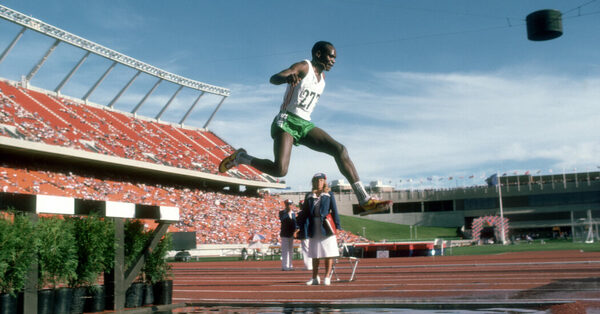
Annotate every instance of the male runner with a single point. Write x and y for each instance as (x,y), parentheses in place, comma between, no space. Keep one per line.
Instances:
(292,126)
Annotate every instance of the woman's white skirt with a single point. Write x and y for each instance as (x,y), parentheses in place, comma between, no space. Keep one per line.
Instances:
(320,245)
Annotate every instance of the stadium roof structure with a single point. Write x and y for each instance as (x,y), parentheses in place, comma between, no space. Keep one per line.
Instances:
(88,157)
(62,36)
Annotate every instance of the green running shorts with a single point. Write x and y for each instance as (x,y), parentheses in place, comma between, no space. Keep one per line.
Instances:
(297,127)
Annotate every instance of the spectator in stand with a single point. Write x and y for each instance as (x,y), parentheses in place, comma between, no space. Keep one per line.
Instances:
(321,246)
(287,217)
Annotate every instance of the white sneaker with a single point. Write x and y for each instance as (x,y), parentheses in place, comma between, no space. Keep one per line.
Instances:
(327,281)
(313,282)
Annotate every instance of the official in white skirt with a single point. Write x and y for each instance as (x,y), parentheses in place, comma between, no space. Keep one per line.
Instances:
(322,243)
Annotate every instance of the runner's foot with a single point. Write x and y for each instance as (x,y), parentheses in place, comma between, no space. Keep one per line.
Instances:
(230,161)
(374,206)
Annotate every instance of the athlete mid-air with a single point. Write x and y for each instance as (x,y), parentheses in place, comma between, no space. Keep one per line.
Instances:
(292,126)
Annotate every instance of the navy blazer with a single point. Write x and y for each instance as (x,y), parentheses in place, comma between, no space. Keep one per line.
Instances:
(326,206)
(288,225)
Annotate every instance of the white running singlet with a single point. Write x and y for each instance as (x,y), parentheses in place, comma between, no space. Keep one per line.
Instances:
(301,99)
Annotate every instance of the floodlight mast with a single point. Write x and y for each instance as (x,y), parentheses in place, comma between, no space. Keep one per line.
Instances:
(63,36)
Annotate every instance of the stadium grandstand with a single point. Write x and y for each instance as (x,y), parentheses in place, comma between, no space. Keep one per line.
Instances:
(55,144)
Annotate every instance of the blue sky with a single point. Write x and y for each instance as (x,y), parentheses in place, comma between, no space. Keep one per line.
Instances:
(421,89)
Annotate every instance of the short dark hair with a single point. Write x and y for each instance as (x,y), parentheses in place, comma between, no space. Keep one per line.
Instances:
(320,46)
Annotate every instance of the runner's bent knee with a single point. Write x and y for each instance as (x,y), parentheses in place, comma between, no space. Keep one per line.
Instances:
(280,168)
(281,171)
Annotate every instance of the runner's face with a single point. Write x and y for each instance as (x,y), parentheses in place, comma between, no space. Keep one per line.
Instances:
(327,58)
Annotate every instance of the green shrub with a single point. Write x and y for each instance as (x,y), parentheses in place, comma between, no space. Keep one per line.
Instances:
(94,238)
(57,254)
(135,241)
(18,244)
(157,268)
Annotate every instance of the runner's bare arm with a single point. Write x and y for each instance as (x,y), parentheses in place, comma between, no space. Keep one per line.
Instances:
(292,75)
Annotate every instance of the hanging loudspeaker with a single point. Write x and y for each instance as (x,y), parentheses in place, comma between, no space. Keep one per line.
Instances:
(544,25)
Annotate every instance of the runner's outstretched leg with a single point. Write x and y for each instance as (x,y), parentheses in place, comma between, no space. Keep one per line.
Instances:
(282,149)
(318,140)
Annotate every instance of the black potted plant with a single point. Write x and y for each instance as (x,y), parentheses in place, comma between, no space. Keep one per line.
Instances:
(157,271)
(135,241)
(18,244)
(94,238)
(57,262)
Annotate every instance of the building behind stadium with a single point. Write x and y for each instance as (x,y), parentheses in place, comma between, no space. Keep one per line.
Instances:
(547,205)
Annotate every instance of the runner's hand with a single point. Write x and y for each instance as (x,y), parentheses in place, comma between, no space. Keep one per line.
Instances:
(293,79)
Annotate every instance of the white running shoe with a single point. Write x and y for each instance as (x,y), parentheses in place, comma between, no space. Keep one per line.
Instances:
(313,282)
(326,281)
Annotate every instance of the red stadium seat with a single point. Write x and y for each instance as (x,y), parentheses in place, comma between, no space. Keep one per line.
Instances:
(63,122)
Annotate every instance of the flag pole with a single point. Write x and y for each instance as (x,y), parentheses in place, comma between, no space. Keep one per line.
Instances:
(501,210)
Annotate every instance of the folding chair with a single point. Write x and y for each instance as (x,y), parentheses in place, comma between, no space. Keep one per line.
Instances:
(345,254)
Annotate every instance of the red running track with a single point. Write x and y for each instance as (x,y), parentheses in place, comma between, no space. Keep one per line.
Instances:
(514,278)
